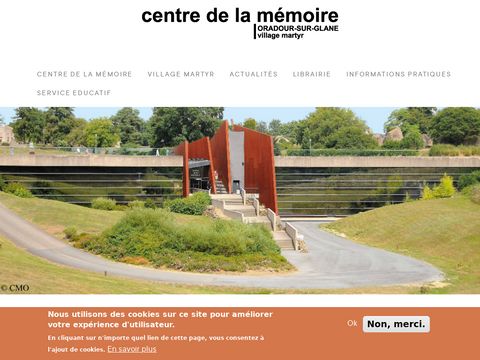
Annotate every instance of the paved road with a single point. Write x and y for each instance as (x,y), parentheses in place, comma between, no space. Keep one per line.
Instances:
(332,262)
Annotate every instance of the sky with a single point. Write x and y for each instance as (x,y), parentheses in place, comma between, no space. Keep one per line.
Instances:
(374,117)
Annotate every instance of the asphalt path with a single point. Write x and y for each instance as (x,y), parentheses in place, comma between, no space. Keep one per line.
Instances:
(331,262)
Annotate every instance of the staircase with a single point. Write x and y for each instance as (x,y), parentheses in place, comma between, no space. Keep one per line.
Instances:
(220,187)
(233,207)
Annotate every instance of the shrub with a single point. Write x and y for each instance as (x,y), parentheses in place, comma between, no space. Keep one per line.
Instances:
(17,190)
(427,193)
(444,150)
(211,245)
(475,194)
(451,150)
(445,189)
(467,180)
(150,204)
(392,145)
(83,240)
(136,204)
(195,204)
(70,232)
(104,204)
(2,183)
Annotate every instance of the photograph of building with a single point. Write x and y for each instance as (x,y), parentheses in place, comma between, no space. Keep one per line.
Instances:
(316,204)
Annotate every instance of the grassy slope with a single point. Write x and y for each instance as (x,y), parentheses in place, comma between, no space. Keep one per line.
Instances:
(18,266)
(54,216)
(443,232)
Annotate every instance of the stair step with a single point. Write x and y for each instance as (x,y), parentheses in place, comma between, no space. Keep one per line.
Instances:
(285,242)
(285,246)
(281,235)
(252,219)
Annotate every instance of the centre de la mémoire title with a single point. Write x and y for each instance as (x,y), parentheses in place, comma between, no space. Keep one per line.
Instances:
(241,16)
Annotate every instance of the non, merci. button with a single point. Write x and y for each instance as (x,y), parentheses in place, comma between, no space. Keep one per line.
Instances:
(396,324)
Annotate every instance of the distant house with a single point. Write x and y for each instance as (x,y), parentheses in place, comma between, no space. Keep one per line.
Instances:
(395,134)
(380,138)
(280,139)
(6,135)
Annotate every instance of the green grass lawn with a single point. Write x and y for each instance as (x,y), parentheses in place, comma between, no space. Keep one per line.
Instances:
(443,232)
(55,216)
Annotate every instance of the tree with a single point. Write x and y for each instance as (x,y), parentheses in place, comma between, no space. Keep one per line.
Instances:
(262,127)
(419,116)
(326,126)
(275,127)
(412,138)
(250,123)
(130,126)
(100,132)
(456,125)
(351,137)
(169,126)
(59,121)
(291,130)
(306,141)
(76,136)
(28,124)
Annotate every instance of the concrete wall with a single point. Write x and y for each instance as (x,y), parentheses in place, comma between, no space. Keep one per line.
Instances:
(280,161)
(91,160)
(237,157)
(377,161)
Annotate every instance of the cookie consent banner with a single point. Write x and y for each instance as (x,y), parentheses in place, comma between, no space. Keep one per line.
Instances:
(238,333)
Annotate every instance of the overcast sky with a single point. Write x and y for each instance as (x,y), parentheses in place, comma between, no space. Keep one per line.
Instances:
(375,117)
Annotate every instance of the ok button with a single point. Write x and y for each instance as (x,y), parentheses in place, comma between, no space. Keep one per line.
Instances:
(396,324)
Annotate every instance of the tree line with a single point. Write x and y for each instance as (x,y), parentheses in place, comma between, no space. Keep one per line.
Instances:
(58,126)
(341,128)
(326,127)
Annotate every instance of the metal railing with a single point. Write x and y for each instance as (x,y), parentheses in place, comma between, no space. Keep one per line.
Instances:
(348,152)
(82,150)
